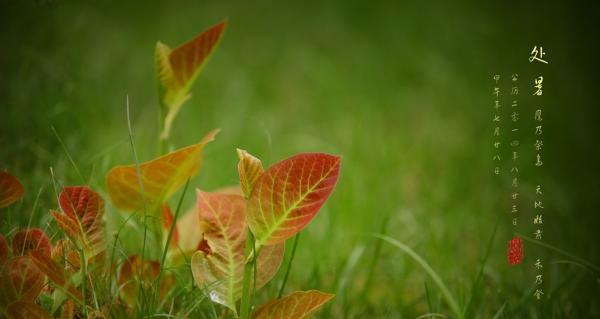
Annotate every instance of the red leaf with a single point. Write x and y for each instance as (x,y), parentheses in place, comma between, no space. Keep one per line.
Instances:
(25,241)
(187,59)
(10,189)
(297,305)
(82,204)
(82,219)
(289,194)
(21,280)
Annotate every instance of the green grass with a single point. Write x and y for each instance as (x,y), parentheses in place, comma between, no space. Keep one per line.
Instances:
(400,90)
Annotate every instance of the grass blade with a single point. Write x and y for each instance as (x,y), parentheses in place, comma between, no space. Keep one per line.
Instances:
(436,278)
(289,266)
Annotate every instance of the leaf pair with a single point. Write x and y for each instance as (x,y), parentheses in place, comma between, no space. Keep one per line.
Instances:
(219,265)
(279,203)
(283,199)
(176,70)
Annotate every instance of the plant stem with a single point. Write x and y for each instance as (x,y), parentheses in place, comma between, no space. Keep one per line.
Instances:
(289,266)
(162,142)
(246,304)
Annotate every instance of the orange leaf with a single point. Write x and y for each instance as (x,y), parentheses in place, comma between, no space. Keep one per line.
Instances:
(26,310)
(10,189)
(178,68)
(220,268)
(21,280)
(55,273)
(31,239)
(161,177)
(67,224)
(297,305)
(289,194)
(249,169)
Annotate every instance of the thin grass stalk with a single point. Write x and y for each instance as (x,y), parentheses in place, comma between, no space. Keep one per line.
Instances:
(289,266)
(436,278)
(68,154)
(170,235)
(139,176)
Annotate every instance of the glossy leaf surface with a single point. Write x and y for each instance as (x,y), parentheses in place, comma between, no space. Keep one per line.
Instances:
(289,194)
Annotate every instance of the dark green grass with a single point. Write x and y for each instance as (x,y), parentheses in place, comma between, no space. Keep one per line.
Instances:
(401,91)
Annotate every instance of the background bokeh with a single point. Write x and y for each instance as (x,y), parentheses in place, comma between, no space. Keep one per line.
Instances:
(402,91)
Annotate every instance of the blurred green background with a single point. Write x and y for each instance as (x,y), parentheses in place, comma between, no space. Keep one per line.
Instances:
(402,91)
